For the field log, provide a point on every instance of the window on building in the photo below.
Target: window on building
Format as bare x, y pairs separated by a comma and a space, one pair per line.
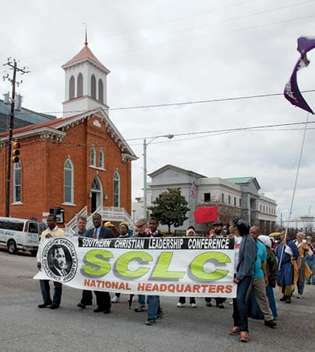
116, 189
101, 159
240, 202
235, 201
207, 197
229, 199
68, 181
71, 88
93, 156
100, 91
17, 182
93, 87
222, 197
80, 85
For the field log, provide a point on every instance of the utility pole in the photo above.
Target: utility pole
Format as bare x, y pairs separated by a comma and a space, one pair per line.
12, 64
145, 187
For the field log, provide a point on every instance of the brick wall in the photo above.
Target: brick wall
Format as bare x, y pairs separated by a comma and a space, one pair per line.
43, 171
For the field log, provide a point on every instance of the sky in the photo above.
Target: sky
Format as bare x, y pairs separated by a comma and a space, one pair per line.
162, 51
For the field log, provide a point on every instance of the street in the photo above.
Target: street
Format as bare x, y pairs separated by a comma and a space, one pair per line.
25, 328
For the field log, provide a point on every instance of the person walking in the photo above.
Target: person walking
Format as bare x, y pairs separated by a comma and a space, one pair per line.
190, 232
271, 274
216, 231
103, 299
153, 301
52, 231
304, 249
86, 298
287, 254
243, 278
141, 231
123, 232
261, 279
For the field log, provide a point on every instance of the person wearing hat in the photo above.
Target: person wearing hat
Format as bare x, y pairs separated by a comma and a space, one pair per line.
271, 271
260, 278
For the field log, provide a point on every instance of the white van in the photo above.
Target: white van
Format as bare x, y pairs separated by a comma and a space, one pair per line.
19, 234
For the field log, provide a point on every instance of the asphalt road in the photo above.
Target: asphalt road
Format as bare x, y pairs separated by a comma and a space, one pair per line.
25, 328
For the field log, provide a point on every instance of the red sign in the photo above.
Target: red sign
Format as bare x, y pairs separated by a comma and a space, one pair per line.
206, 214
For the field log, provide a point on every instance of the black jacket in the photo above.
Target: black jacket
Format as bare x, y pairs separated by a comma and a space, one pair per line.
104, 233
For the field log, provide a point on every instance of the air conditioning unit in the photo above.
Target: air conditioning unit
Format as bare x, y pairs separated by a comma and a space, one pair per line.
18, 102
6, 98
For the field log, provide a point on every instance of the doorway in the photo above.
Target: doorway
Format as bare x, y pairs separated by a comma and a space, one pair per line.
96, 194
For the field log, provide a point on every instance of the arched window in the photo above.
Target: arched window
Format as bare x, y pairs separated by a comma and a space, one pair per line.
71, 88
93, 156
17, 182
93, 87
68, 181
80, 85
101, 160
116, 189
100, 91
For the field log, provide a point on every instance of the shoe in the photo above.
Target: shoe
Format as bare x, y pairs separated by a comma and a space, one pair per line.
244, 336
270, 323
283, 299
107, 311
299, 296
209, 304
149, 322
180, 305
160, 314
54, 306
81, 305
193, 305
288, 300
115, 299
44, 305
220, 305
235, 330
98, 310
140, 309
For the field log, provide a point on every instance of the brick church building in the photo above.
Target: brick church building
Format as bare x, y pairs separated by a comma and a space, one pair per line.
78, 163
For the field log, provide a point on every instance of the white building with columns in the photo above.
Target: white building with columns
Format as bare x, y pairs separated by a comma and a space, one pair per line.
231, 197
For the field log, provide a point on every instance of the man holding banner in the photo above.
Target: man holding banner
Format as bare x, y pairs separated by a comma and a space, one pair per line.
50, 232
150, 266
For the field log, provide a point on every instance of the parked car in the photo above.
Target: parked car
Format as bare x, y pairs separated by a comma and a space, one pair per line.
19, 234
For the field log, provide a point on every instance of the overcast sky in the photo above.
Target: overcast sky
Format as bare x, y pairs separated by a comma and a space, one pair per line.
162, 51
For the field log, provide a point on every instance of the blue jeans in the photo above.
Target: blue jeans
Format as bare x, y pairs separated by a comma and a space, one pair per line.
153, 307
141, 300
240, 304
45, 290
272, 301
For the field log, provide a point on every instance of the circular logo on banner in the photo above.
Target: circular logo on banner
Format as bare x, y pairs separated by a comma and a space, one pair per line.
59, 260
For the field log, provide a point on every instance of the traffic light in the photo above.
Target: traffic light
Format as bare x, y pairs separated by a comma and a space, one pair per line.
16, 152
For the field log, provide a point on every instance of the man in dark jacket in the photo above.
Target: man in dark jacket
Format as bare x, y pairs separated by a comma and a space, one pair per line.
103, 299
243, 278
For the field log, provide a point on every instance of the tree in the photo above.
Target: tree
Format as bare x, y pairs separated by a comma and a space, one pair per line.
170, 208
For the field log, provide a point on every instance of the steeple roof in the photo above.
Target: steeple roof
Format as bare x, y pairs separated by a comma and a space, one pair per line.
85, 54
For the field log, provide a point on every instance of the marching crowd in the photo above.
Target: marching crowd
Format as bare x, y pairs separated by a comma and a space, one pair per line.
260, 265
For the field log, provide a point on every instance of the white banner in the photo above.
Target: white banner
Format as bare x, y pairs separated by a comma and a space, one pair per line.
166, 266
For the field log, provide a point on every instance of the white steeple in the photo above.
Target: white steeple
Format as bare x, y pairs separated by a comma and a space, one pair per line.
85, 83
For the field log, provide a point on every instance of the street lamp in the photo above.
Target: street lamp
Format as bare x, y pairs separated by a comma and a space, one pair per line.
145, 145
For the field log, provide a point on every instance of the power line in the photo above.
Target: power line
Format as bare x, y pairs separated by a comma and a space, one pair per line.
189, 102
236, 129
